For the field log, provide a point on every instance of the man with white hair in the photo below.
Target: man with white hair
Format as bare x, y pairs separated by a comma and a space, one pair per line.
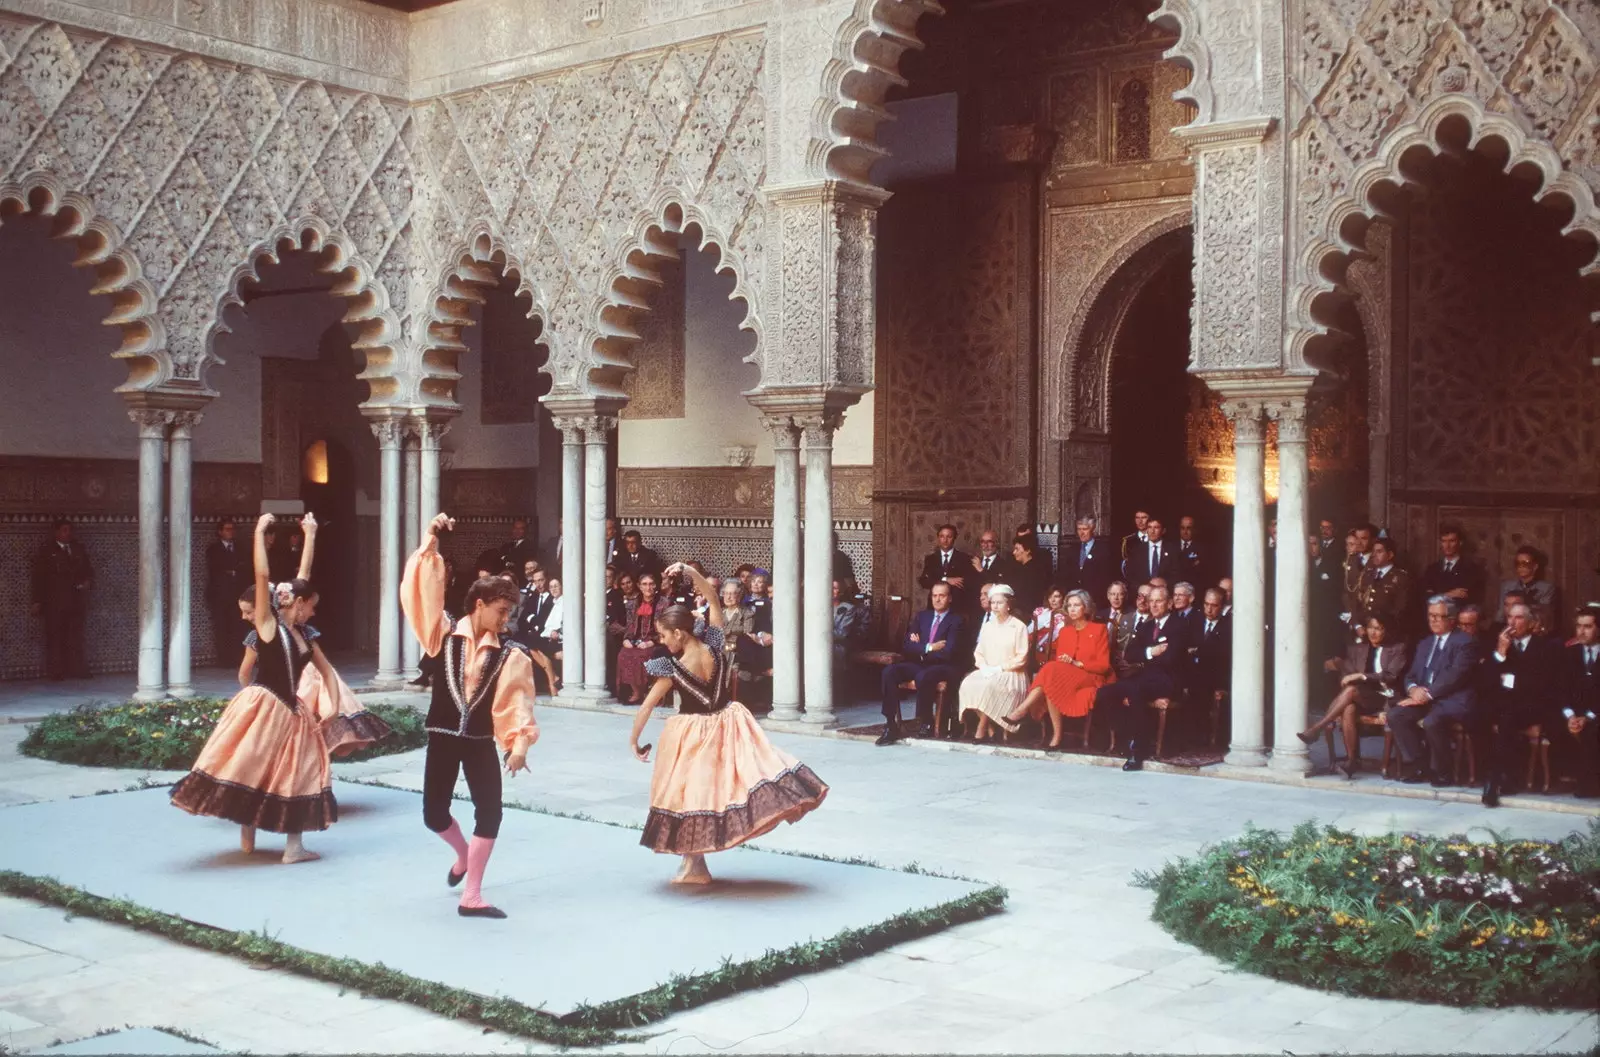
1440, 688
1526, 694
1089, 562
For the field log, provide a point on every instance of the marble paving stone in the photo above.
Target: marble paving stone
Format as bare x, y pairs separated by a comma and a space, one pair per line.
557, 879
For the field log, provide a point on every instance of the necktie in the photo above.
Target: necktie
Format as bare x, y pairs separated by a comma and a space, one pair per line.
1155, 557
1449, 565
1433, 654
1211, 625
1083, 555
987, 558
933, 633
1589, 655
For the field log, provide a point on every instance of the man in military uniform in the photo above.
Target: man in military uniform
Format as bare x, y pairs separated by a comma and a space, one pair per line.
1385, 589
62, 577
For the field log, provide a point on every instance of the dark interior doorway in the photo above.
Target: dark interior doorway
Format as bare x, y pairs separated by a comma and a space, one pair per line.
328, 489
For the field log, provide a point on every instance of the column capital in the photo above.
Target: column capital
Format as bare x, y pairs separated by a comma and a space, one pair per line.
430, 431
183, 422
388, 431
571, 428
783, 431
1248, 416
152, 422
818, 427
1290, 415
595, 427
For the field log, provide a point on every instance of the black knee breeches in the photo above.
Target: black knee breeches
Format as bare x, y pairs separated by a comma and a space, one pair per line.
447, 757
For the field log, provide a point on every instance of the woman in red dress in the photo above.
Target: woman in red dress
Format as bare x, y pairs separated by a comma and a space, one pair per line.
639, 642
1067, 684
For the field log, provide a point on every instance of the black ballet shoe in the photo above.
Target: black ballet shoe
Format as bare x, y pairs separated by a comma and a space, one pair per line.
480, 912
455, 878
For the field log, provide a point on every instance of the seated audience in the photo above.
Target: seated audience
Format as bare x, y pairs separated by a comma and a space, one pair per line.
1369, 674
1028, 575
1580, 700
930, 655
1524, 700
738, 621
847, 618
1439, 688
639, 640
1116, 604
1530, 582
1160, 649
1212, 633
1066, 684
999, 681
1046, 624
635, 558
1452, 574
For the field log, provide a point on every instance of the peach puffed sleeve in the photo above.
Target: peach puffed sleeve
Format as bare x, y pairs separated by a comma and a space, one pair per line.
422, 596
512, 711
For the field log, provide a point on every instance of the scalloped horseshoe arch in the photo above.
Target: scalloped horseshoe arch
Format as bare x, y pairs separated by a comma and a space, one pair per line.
368, 301
855, 81
1340, 232
631, 284
475, 265
117, 273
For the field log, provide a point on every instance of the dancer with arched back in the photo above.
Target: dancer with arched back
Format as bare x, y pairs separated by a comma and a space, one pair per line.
718, 781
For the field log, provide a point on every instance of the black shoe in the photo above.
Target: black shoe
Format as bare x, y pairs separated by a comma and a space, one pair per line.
924, 730
1133, 764
1416, 777
1347, 769
480, 912
455, 878
890, 735
1491, 796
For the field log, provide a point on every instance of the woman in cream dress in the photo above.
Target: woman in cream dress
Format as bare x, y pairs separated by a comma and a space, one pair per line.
1000, 681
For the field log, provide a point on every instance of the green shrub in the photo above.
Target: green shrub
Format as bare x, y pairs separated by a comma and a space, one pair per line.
1437, 919
168, 735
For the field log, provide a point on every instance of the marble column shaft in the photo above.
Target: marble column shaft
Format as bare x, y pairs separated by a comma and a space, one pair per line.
1292, 601
1248, 694
597, 434
817, 631
430, 434
389, 558
785, 569
180, 541
153, 426
574, 628
410, 515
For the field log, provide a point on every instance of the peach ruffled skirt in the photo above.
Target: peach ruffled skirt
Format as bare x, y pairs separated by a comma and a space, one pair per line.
351, 726
719, 782
265, 765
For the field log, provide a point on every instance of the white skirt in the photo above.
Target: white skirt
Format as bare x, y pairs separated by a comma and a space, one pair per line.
995, 694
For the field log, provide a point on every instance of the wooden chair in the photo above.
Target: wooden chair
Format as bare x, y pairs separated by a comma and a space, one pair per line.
1163, 707
1464, 751
1369, 725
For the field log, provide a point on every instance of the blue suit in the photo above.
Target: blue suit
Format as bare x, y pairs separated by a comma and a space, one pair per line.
1450, 675
925, 667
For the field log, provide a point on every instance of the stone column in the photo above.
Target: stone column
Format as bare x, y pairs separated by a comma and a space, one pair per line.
429, 435
1248, 694
1292, 605
786, 568
152, 448
388, 676
180, 538
410, 515
818, 586
574, 628
597, 431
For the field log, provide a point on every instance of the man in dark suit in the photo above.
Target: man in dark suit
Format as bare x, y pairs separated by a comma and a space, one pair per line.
1212, 650
1116, 606
1191, 563
1327, 635
1527, 693
930, 656
1580, 700
1132, 542
228, 568
988, 565
1358, 550
1440, 688
635, 558
1327, 542
521, 549
62, 577
1155, 557
1088, 562
1384, 589
613, 541
533, 610
1161, 646
1453, 575
949, 566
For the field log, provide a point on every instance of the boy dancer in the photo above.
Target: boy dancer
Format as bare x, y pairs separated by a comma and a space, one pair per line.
482, 697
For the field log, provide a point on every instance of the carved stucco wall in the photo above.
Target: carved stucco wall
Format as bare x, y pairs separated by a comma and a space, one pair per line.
1376, 77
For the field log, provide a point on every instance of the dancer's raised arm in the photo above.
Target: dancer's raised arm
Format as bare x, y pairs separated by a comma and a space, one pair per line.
703, 588
308, 525
266, 615
422, 589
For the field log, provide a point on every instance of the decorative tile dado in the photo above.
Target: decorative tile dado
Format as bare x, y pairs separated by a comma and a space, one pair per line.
43, 485
727, 491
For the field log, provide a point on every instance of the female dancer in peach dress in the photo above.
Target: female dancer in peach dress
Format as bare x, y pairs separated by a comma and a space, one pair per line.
1081, 666
351, 727
266, 766
718, 781
482, 701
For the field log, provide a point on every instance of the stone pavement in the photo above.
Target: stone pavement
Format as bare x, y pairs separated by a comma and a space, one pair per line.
1074, 965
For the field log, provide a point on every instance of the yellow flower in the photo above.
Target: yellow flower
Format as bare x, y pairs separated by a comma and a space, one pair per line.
157, 734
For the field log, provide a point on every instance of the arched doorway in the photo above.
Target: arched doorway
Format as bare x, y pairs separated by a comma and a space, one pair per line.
328, 490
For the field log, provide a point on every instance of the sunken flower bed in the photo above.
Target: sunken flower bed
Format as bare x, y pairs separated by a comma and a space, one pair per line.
1398, 916
168, 735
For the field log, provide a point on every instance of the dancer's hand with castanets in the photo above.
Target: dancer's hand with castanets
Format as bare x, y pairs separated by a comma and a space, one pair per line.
641, 754
441, 523
308, 524
517, 761
263, 523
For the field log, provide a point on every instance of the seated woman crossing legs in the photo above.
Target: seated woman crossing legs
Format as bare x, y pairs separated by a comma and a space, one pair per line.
1369, 673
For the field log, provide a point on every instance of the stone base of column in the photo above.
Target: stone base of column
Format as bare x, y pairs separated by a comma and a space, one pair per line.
586, 699
387, 681
1246, 758
1290, 761
150, 693
181, 691
785, 713
821, 720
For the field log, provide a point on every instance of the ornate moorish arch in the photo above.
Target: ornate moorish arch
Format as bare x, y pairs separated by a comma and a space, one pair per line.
1337, 232
473, 266
377, 327
117, 271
